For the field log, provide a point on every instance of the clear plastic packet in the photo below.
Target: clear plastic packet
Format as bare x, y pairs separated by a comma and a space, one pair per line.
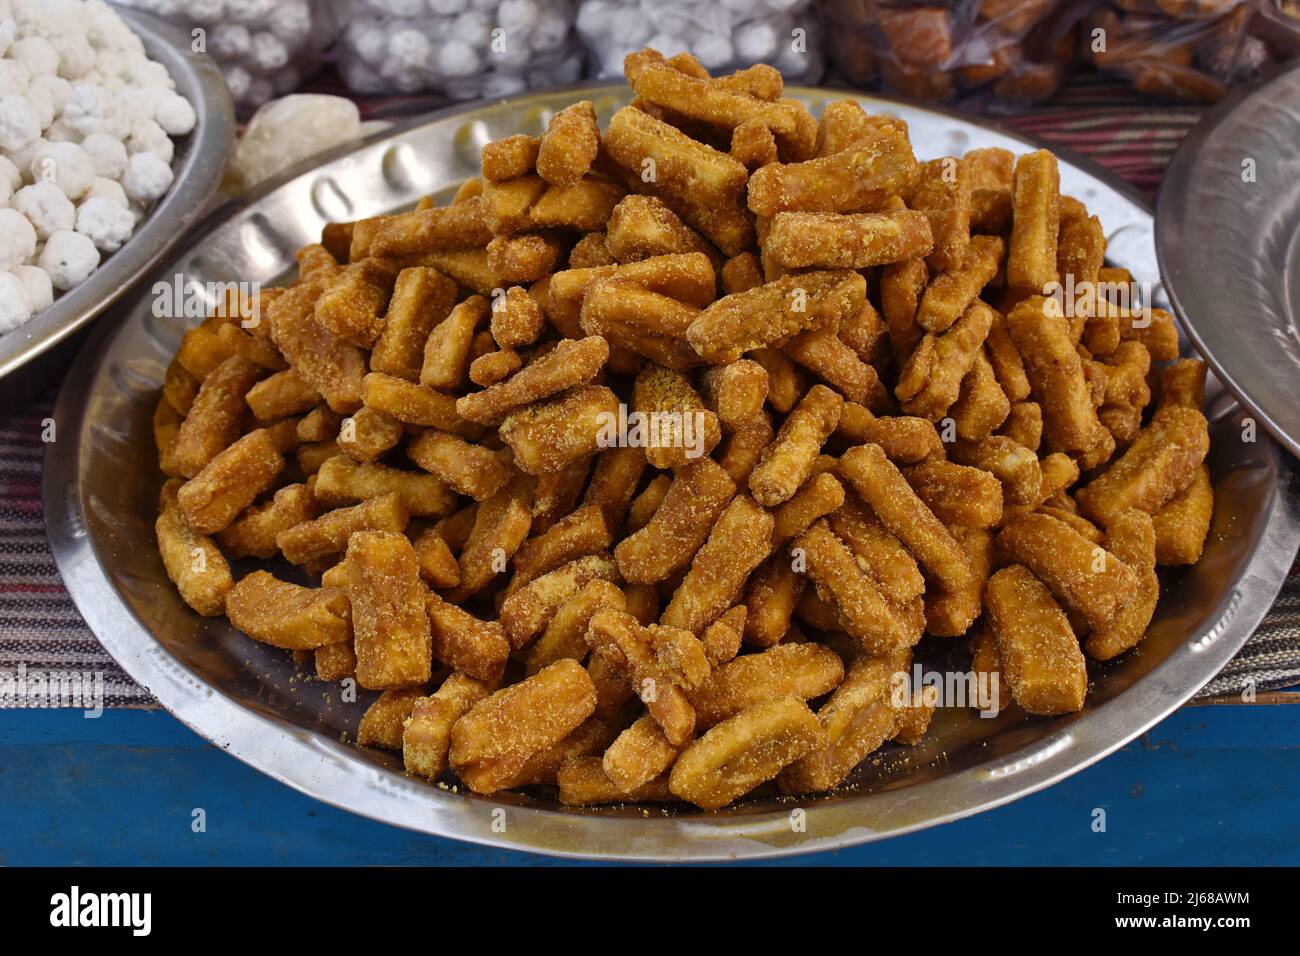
724, 35
1193, 50
461, 49
265, 48
984, 54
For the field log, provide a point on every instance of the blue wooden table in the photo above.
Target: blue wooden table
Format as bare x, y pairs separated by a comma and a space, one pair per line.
1210, 785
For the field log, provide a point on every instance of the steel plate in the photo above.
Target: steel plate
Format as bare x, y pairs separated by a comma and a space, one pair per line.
101, 485
197, 166
1228, 239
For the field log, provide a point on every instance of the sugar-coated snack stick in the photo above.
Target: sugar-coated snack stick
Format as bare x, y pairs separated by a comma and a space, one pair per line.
856, 179
773, 313
738, 543
785, 382
643, 602
787, 462
584, 206
981, 405
286, 615
426, 734
855, 721
506, 204
215, 417
590, 737
643, 507
1002, 354
467, 267
193, 563
1035, 222
342, 481
501, 524
1056, 376
682, 522
614, 483
943, 193
1182, 524
565, 635
467, 468
517, 319
1080, 252
522, 258
822, 240
281, 394
679, 428
882, 486
822, 615
201, 350
744, 446
753, 144
392, 637
607, 668
465, 643
1161, 462
555, 493
166, 426
335, 662
351, 305
569, 145
179, 387
311, 455
320, 424
415, 404
986, 664
1183, 383
735, 392
447, 348
332, 366
582, 781
592, 250
329, 534
1132, 537
950, 613
906, 439
493, 365
438, 566
1037, 648
252, 534
643, 226
741, 273
863, 611
827, 355
435, 228
638, 755
817, 497
842, 125
687, 277
1024, 425
880, 554
721, 640
912, 720
901, 287
527, 611
803, 671
368, 433
702, 185
228, 483
951, 292
578, 534
667, 702
382, 723
494, 741
680, 655
771, 596
1091, 582
552, 434
1153, 327
1126, 371
570, 363
865, 332
1015, 466
931, 378
645, 323
738, 754
509, 157
958, 494
233, 341
992, 172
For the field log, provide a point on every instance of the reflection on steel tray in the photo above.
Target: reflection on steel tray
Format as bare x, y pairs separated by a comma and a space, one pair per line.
101, 487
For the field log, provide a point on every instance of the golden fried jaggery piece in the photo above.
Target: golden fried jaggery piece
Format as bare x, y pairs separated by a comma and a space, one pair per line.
329, 534
679, 429
1183, 383
992, 173
1181, 525
215, 416
569, 145
644, 226
878, 552
468, 469
931, 377
738, 543
280, 395
817, 497
952, 291
351, 305
582, 781
583, 532
1130, 536
1012, 464
193, 563
253, 533
788, 461
422, 298
566, 634
697, 496
1037, 648
509, 157
342, 481
828, 356
527, 611
906, 439
585, 206
392, 644
620, 633
771, 595
465, 643
426, 735
230, 482
804, 671
438, 566
382, 723
638, 755
289, 616
1002, 354
550, 435
571, 363
494, 741
957, 494
1035, 222
499, 526
981, 405
332, 366
822, 240
751, 748
943, 193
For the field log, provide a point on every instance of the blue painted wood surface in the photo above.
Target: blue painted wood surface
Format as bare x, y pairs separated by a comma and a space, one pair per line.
1210, 785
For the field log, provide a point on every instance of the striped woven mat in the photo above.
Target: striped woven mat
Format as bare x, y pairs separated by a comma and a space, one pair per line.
41, 632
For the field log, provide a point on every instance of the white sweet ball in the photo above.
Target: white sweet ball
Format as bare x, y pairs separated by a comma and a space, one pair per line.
37, 54
206, 11
268, 52
20, 123
90, 109
17, 239
175, 115
66, 165
291, 20
446, 7
756, 41
147, 177
10, 174
148, 137
229, 41
43, 103
409, 49
76, 55
237, 80
46, 208
22, 157
714, 50
61, 132
149, 73
107, 153
56, 88
15, 78
105, 223
140, 103
517, 15
40, 290
104, 188
457, 58
260, 91
249, 11
8, 31
68, 257
15, 307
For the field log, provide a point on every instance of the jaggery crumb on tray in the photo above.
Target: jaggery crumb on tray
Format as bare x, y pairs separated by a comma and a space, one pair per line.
639, 470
